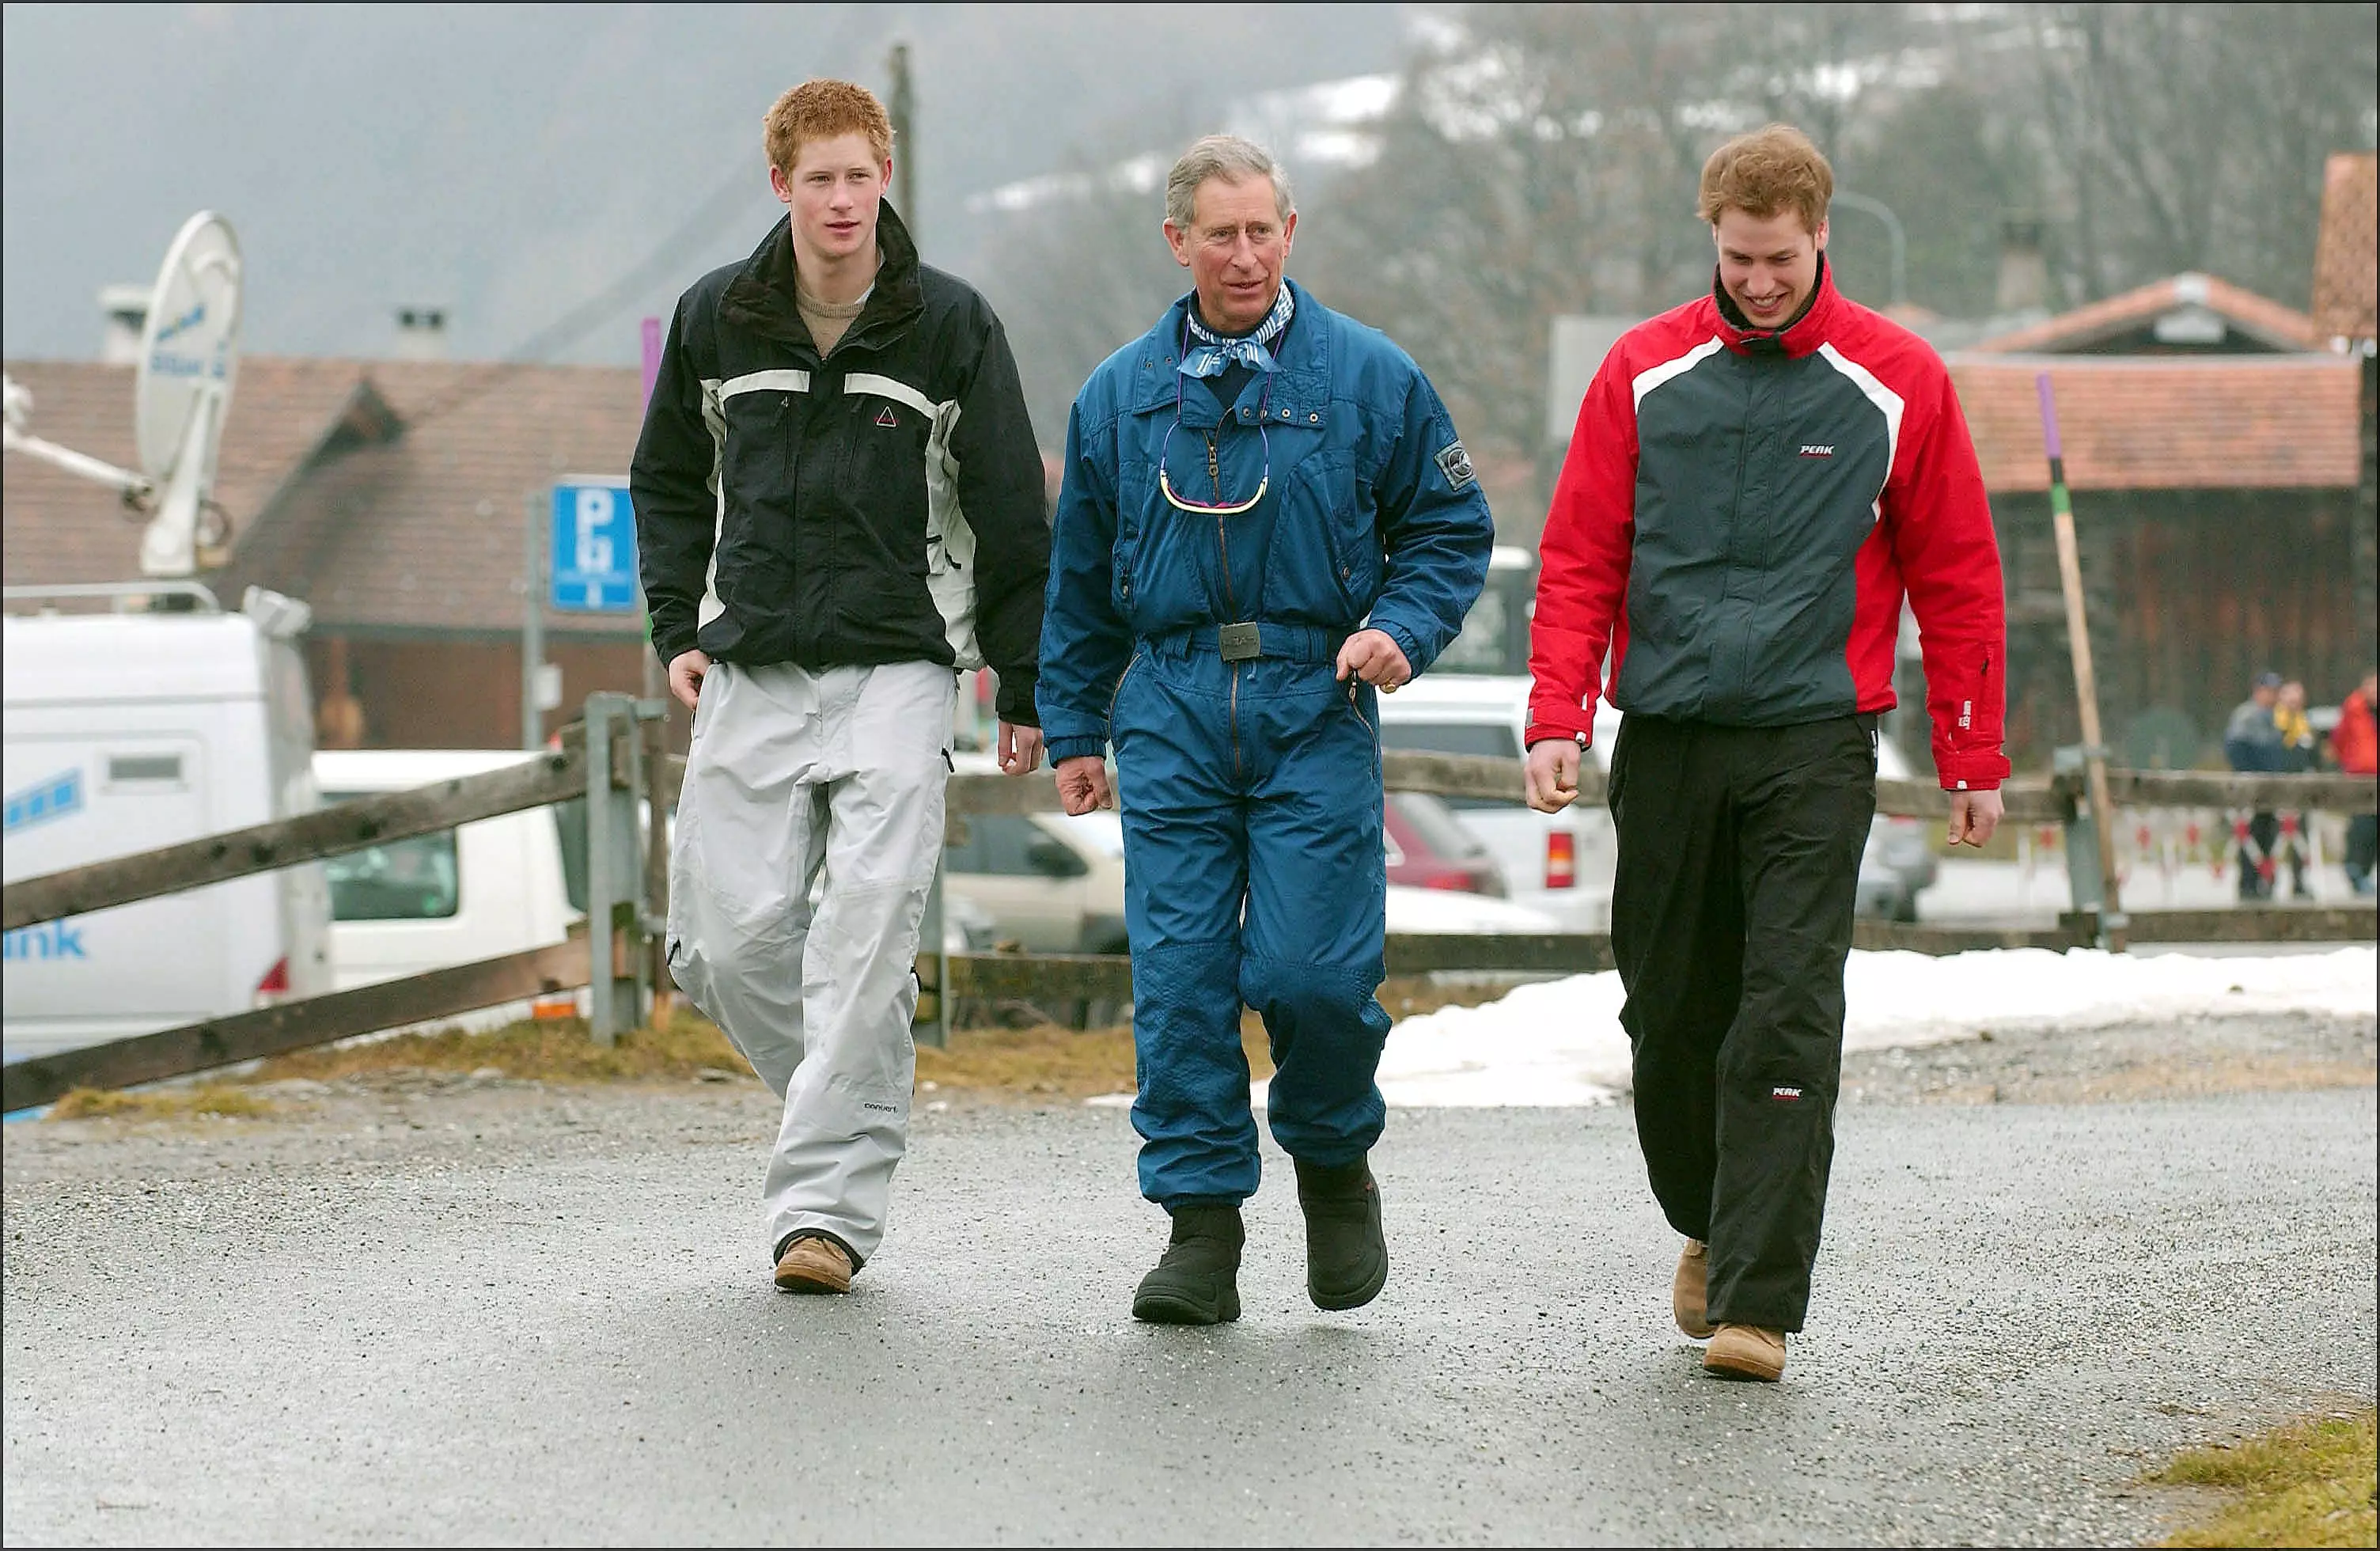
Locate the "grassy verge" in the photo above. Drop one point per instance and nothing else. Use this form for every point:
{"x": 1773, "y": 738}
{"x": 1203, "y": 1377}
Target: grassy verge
{"x": 1038, "y": 1061}
{"x": 203, "y": 1099}
{"x": 2310, "y": 1483}
{"x": 554, "y": 1049}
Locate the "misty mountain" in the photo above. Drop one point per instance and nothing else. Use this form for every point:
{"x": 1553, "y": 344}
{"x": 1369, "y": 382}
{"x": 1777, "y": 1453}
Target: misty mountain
{"x": 520, "y": 165}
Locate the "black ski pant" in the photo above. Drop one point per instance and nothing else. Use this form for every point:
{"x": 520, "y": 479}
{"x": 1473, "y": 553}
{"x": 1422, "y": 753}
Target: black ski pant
{"x": 1731, "y": 921}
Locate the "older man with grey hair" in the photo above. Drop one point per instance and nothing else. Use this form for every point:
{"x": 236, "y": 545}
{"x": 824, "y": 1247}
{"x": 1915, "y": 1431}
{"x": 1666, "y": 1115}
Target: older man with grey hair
{"x": 1268, "y": 520}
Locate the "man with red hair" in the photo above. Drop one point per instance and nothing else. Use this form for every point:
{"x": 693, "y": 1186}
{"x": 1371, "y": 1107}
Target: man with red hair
{"x": 1757, "y": 479}
{"x": 839, "y": 505}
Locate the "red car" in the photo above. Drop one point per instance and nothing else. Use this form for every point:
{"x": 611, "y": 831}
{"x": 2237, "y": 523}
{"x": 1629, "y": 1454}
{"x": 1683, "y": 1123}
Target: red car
{"x": 1429, "y": 848}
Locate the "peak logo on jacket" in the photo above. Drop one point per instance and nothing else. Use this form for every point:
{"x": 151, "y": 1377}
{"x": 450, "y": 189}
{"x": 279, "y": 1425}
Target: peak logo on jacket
{"x": 1811, "y": 451}
{"x": 885, "y": 416}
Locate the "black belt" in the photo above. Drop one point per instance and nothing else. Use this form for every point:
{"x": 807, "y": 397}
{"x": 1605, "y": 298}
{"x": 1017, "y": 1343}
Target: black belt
{"x": 1250, "y": 639}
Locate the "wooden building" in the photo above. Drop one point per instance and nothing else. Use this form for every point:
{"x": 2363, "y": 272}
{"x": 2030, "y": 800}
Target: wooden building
{"x": 2212, "y": 448}
{"x": 391, "y": 497}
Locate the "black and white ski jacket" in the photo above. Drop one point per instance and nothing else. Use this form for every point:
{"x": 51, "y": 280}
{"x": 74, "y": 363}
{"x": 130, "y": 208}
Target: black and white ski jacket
{"x": 884, "y": 503}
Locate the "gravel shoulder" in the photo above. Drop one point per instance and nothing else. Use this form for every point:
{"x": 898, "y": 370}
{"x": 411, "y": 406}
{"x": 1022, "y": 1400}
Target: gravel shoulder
{"x": 430, "y": 1310}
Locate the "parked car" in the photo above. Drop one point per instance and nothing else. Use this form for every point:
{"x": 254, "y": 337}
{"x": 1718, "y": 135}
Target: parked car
{"x": 1564, "y": 864}
{"x": 1048, "y": 883}
{"x": 1559, "y": 864}
{"x": 1429, "y": 847}
{"x": 134, "y": 730}
{"x": 1051, "y": 883}
{"x": 1899, "y": 863}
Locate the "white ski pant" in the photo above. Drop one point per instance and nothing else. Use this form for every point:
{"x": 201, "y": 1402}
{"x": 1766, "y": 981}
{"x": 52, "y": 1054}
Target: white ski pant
{"x": 792, "y": 773}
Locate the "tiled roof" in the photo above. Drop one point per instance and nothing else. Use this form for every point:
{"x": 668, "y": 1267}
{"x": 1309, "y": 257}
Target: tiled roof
{"x": 424, "y": 532}
{"x": 2347, "y": 255}
{"x": 407, "y": 519}
{"x": 57, "y": 526}
{"x": 2165, "y": 422}
{"x": 2281, "y": 328}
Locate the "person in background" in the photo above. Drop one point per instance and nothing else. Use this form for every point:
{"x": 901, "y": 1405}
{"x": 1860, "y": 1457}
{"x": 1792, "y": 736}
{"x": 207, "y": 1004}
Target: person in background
{"x": 2301, "y": 752}
{"x": 2252, "y": 742}
{"x": 2355, "y": 744}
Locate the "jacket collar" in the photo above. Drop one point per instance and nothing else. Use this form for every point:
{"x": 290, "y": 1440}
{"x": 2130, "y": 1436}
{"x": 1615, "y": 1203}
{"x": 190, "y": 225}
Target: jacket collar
{"x": 1805, "y": 333}
{"x": 1301, "y": 386}
{"x": 761, "y": 297}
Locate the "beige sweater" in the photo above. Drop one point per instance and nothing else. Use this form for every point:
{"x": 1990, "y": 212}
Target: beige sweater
{"x": 827, "y": 319}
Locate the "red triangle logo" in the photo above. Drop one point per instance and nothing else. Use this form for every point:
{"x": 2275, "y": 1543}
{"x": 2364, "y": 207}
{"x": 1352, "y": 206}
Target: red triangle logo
{"x": 885, "y": 416}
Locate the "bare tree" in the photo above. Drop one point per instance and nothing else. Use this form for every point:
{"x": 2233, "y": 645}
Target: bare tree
{"x": 1075, "y": 276}
{"x": 1544, "y": 160}
{"x": 2192, "y": 137}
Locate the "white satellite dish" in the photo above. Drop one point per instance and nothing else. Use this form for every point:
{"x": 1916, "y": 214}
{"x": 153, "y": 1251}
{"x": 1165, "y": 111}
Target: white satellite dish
{"x": 189, "y": 347}
{"x": 181, "y": 391}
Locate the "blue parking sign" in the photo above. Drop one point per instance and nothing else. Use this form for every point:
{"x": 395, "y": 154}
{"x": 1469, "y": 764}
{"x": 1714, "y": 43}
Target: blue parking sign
{"x": 594, "y": 547}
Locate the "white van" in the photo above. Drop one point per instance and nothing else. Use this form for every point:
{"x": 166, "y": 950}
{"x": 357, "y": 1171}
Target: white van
{"x": 128, "y": 731}
{"x": 481, "y": 890}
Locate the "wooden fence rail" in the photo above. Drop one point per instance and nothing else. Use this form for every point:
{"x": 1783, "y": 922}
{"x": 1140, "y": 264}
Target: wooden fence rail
{"x": 560, "y": 775}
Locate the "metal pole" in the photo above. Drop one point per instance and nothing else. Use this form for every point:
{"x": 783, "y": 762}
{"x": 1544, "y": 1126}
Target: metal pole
{"x": 656, "y": 683}
{"x": 653, "y": 727}
{"x": 2112, "y": 921}
{"x": 1883, "y": 211}
{"x": 937, "y": 1031}
{"x": 602, "y": 1018}
{"x": 532, "y": 620}
{"x": 901, "y": 110}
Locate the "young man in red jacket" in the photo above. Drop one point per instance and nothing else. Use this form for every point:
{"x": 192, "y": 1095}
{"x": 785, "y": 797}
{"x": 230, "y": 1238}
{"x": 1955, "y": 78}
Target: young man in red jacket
{"x": 2356, "y": 745}
{"x": 1757, "y": 481}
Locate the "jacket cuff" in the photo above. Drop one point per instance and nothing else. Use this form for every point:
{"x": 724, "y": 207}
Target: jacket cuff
{"x": 1405, "y": 643}
{"x": 671, "y": 647}
{"x": 1972, "y": 772}
{"x": 1076, "y": 748}
{"x": 1540, "y": 730}
{"x": 1015, "y": 698}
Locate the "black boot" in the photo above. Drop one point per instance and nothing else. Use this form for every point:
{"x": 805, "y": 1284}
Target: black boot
{"x": 1196, "y": 1281}
{"x": 1346, "y": 1250}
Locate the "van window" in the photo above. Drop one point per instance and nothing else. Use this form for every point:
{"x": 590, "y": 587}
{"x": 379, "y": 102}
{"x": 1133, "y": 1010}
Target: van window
{"x": 143, "y": 770}
{"x": 416, "y": 879}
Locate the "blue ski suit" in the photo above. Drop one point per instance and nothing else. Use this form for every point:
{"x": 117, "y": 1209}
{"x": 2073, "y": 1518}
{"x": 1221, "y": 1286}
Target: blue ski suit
{"x": 1204, "y": 647}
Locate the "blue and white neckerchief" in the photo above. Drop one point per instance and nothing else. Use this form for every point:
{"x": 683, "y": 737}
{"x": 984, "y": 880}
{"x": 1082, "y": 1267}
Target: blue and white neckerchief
{"x": 1214, "y": 353}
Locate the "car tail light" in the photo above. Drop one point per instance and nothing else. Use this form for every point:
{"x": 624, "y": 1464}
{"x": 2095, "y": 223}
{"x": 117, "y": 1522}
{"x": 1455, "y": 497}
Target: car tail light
{"x": 1561, "y": 860}
{"x": 276, "y": 982}
{"x": 1449, "y": 877}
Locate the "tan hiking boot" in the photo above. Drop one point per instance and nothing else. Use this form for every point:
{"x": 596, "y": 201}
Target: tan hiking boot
{"x": 1746, "y": 1352}
{"x": 812, "y": 1264}
{"x": 1690, "y": 1289}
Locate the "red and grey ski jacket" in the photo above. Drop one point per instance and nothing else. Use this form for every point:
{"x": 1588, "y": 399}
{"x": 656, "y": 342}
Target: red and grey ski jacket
{"x": 1739, "y": 517}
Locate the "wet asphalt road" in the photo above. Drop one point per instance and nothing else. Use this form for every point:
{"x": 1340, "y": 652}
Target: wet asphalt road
{"x": 559, "y": 1330}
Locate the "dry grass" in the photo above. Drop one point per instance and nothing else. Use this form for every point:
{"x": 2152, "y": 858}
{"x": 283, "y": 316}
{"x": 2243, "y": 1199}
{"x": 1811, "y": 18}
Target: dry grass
{"x": 552, "y": 1050}
{"x": 160, "y": 1104}
{"x": 2310, "y": 1483}
{"x": 1042, "y": 1061}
